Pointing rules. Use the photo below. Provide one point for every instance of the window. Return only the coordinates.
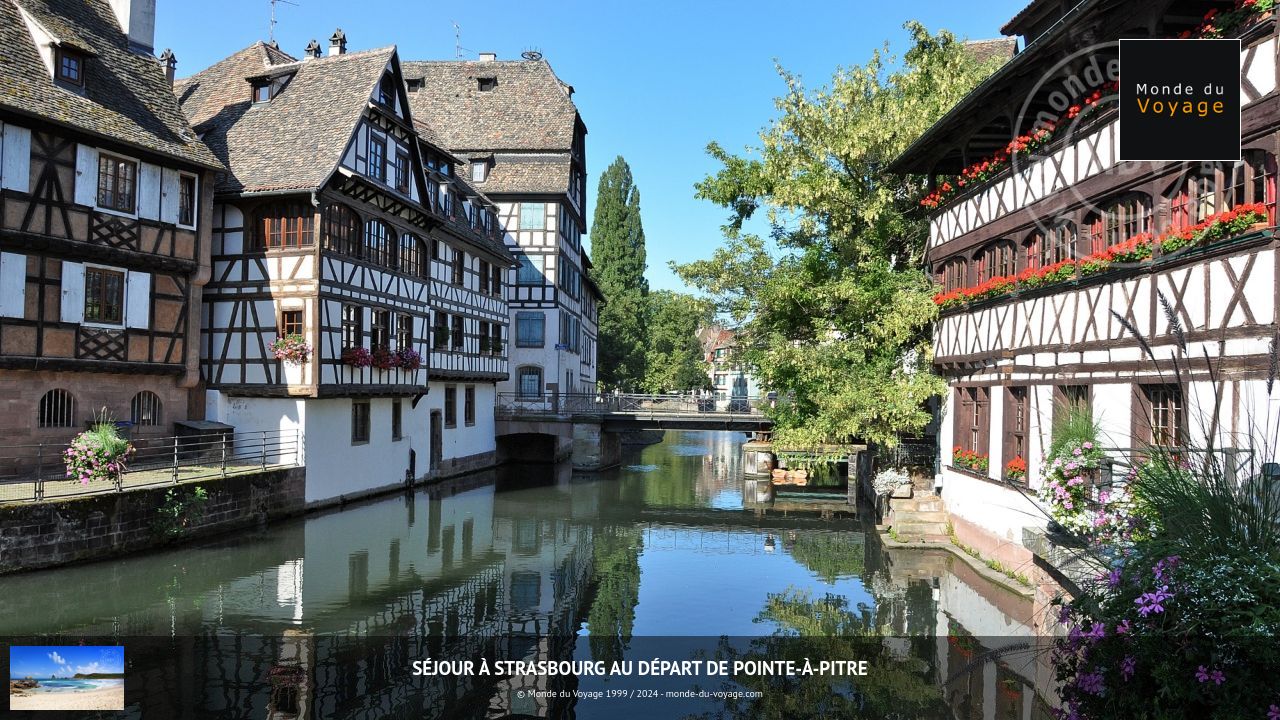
(402, 172)
(1165, 416)
(469, 405)
(440, 331)
(529, 382)
(352, 326)
(1194, 199)
(377, 158)
(531, 270)
(285, 225)
(387, 91)
(380, 330)
(485, 277)
(103, 296)
(1118, 221)
(495, 284)
(144, 409)
(397, 420)
(530, 329)
(479, 170)
(459, 266)
(722, 380)
(450, 406)
(456, 335)
(570, 331)
(290, 322)
(262, 91)
(971, 418)
(404, 331)
(996, 260)
(437, 250)
(1016, 422)
(533, 216)
(1253, 180)
(413, 256)
(1047, 247)
(70, 66)
(57, 409)
(187, 202)
(117, 183)
(377, 243)
(340, 229)
(954, 275)
(486, 84)
(570, 280)
(359, 422)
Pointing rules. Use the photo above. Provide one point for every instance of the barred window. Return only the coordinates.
(144, 409)
(57, 409)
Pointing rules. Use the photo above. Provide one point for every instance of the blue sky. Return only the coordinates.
(64, 660)
(655, 81)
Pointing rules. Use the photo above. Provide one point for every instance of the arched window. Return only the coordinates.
(413, 255)
(1046, 247)
(1253, 180)
(996, 260)
(953, 275)
(1118, 220)
(340, 229)
(144, 409)
(1194, 198)
(57, 409)
(529, 381)
(377, 243)
(285, 225)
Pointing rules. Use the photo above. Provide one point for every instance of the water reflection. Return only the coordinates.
(321, 617)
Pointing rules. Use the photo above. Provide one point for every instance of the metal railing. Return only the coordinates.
(510, 404)
(38, 472)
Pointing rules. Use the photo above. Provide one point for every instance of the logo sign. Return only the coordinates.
(1180, 100)
(561, 346)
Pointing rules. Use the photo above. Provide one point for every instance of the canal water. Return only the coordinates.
(674, 556)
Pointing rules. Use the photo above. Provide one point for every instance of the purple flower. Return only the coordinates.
(1152, 602)
(1124, 627)
(1097, 632)
(1087, 446)
(1202, 674)
(1217, 677)
(1090, 683)
(1113, 579)
(1274, 713)
(1076, 452)
(1127, 666)
(1064, 614)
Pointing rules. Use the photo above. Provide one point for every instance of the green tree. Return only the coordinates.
(834, 308)
(618, 257)
(673, 358)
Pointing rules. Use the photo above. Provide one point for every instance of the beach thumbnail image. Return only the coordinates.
(66, 677)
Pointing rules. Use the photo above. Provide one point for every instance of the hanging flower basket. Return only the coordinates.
(357, 357)
(99, 453)
(408, 359)
(383, 359)
(291, 349)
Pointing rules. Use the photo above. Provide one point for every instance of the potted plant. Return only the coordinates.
(99, 453)
(291, 349)
(1016, 469)
(408, 359)
(382, 359)
(357, 357)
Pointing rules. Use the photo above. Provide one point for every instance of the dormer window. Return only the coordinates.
(486, 84)
(479, 170)
(387, 91)
(262, 91)
(69, 66)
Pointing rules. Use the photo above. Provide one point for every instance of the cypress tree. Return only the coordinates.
(618, 257)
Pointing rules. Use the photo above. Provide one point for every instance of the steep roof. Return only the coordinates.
(528, 173)
(529, 109)
(126, 95)
(294, 141)
(985, 50)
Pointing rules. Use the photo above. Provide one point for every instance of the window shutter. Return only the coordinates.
(137, 303)
(1097, 234)
(169, 197)
(72, 310)
(148, 191)
(13, 285)
(15, 162)
(86, 175)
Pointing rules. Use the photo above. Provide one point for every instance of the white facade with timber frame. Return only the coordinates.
(1015, 359)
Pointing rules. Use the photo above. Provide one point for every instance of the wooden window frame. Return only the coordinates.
(1116, 221)
(531, 371)
(292, 321)
(110, 181)
(377, 246)
(285, 225)
(1017, 424)
(457, 332)
(997, 259)
(520, 216)
(527, 279)
(262, 92)
(352, 326)
(397, 420)
(378, 169)
(458, 267)
(412, 256)
(954, 274)
(404, 332)
(450, 406)
(973, 419)
(402, 171)
(1253, 180)
(440, 331)
(96, 316)
(341, 229)
(1148, 399)
(469, 406)
(60, 57)
(188, 199)
(486, 276)
(495, 282)
(387, 92)
(380, 329)
(529, 317)
(360, 422)
(1195, 196)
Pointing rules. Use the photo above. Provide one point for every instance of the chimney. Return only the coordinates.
(312, 51)
(488, 57)
(170, 64)
(137, 19)
(338, 43)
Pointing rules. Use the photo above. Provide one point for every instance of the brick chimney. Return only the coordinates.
(338, 43)
(137, 19)
(312, 51)
(170, 65)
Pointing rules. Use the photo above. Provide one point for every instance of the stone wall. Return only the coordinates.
(47, 534)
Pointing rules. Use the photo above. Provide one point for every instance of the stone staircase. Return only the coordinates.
(919, 518)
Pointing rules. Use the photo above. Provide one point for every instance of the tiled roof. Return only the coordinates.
(985, 50)
(527, 173)
(126, 95)
(294, 141)
(529, 109)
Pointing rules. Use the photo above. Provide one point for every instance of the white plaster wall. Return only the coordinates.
(1113, 411)
(461, 441)
(1001, 510)
(336, 467)
(995, 431)
(279, 417)
(947, 427)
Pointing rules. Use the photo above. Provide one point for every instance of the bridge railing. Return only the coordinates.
(512, 404)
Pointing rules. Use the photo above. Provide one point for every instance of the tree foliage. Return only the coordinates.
(618, 256)
(834, 307)
(673, 360)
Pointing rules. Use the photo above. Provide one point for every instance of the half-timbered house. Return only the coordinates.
(321, 247)
(1052, 266)
(104, 223)
(515, 125)
(470, 265)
